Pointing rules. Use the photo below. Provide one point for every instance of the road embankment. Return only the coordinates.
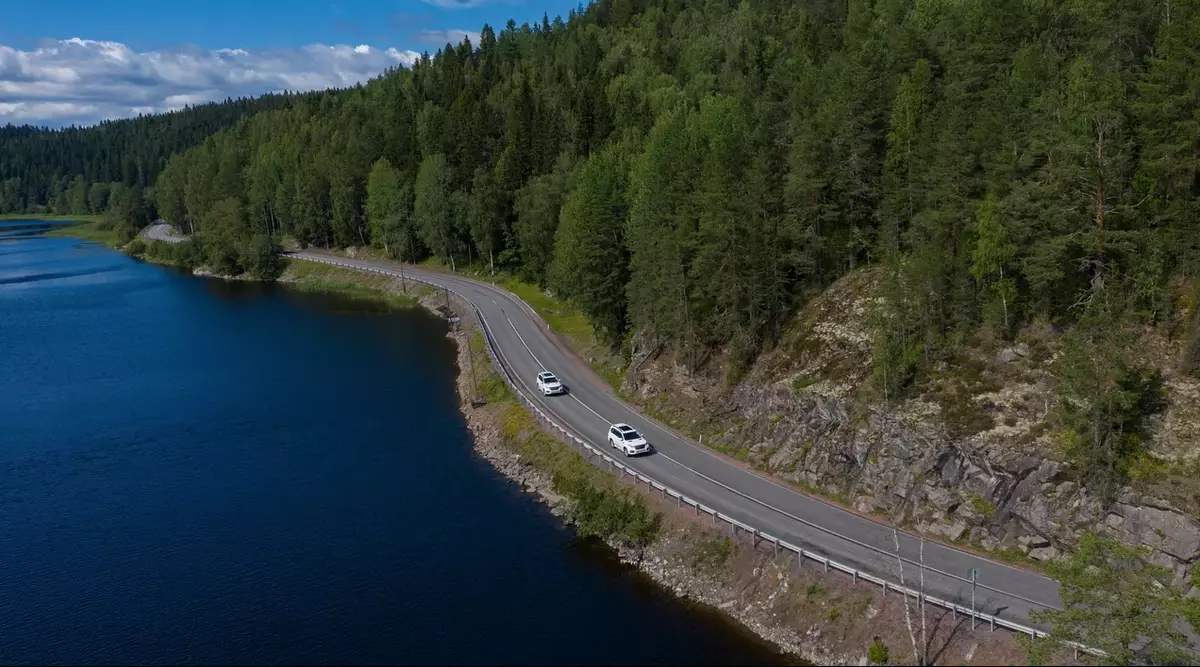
(819, 617)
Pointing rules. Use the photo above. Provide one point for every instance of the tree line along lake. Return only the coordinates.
(195, 471)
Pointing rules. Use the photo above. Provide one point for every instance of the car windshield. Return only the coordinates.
(631, 435)
(549, 378)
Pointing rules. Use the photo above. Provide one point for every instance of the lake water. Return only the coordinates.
(194, 471)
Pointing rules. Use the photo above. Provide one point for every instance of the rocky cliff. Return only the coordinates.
(971, 458)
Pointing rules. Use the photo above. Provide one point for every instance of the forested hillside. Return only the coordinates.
(697, 171)
(74, 170)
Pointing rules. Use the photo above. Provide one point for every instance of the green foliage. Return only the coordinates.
(696, 171)
(260, 258)
(877, 653)
(222, 231)
(983, 506)
(712, 554)
(590, 260)
(433, 208)
(1116, 602)
(136, 247)
(601, 507)
(1105, 396)
(993, 254)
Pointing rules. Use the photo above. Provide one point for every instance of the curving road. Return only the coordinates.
(528, 346)
(161, 231)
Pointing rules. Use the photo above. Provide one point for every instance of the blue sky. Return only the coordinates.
(80, 61)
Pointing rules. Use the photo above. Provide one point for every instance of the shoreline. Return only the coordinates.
(818, 617)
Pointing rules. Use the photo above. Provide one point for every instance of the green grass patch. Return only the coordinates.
(601, 506)
(319, 278)
(93, 230)
(982, 505)
(712, 554)
(491, 384)
(573, 325)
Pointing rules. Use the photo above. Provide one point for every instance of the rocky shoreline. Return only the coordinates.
(821, 618)
(753, 588)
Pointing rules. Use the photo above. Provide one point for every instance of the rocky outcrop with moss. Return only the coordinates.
(972, 457)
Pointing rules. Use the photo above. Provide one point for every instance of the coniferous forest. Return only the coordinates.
(696, 171)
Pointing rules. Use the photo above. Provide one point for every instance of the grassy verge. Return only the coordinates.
(322, 278)
(89, 231)
(601, 506)
(564, 319)
(574, 327)
(51, 216)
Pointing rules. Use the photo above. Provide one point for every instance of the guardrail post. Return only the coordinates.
(777, 548)
(826, 564)
(885, 585)
(855, 577)
(974, 576)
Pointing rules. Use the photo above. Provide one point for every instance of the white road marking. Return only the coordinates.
(539, 363)
(730, 488)
(514, 328)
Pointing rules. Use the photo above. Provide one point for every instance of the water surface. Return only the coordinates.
(194, 471)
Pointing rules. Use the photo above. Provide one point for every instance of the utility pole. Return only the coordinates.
(403, 285)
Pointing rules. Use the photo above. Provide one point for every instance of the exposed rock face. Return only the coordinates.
(991, 480)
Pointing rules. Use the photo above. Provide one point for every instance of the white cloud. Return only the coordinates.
(443, 37)
(84, 81)
(459, 4)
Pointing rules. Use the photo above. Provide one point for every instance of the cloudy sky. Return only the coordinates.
(68, 62)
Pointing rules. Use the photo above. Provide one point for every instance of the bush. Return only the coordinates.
(136, 247)
(223, 258)
(260, 258)
(126, 232)
(877, 653)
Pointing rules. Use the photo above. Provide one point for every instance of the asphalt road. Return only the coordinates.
(162, 232)
(528, 347)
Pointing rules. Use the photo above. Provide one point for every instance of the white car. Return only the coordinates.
(626, 438)
(549, 385)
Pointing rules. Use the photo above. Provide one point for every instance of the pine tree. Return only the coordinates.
(590, 261)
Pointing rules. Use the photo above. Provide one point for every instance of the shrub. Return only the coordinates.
(136, 247)
(260, 258)
(877, 653)
(223, 258)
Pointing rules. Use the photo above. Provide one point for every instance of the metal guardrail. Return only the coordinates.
(993, 620)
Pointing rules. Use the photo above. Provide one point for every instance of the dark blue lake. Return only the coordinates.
(194, 471)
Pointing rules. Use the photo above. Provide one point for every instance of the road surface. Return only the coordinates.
(161, 231)
(528, 347)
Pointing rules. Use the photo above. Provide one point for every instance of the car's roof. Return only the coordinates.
(623, 427)
(546, 374)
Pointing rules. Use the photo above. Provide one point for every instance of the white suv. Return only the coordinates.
(626, 438)
(548, 384)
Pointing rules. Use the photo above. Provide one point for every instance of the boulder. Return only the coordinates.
(1033, 541)
(1043, 553)
(1170, 532)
